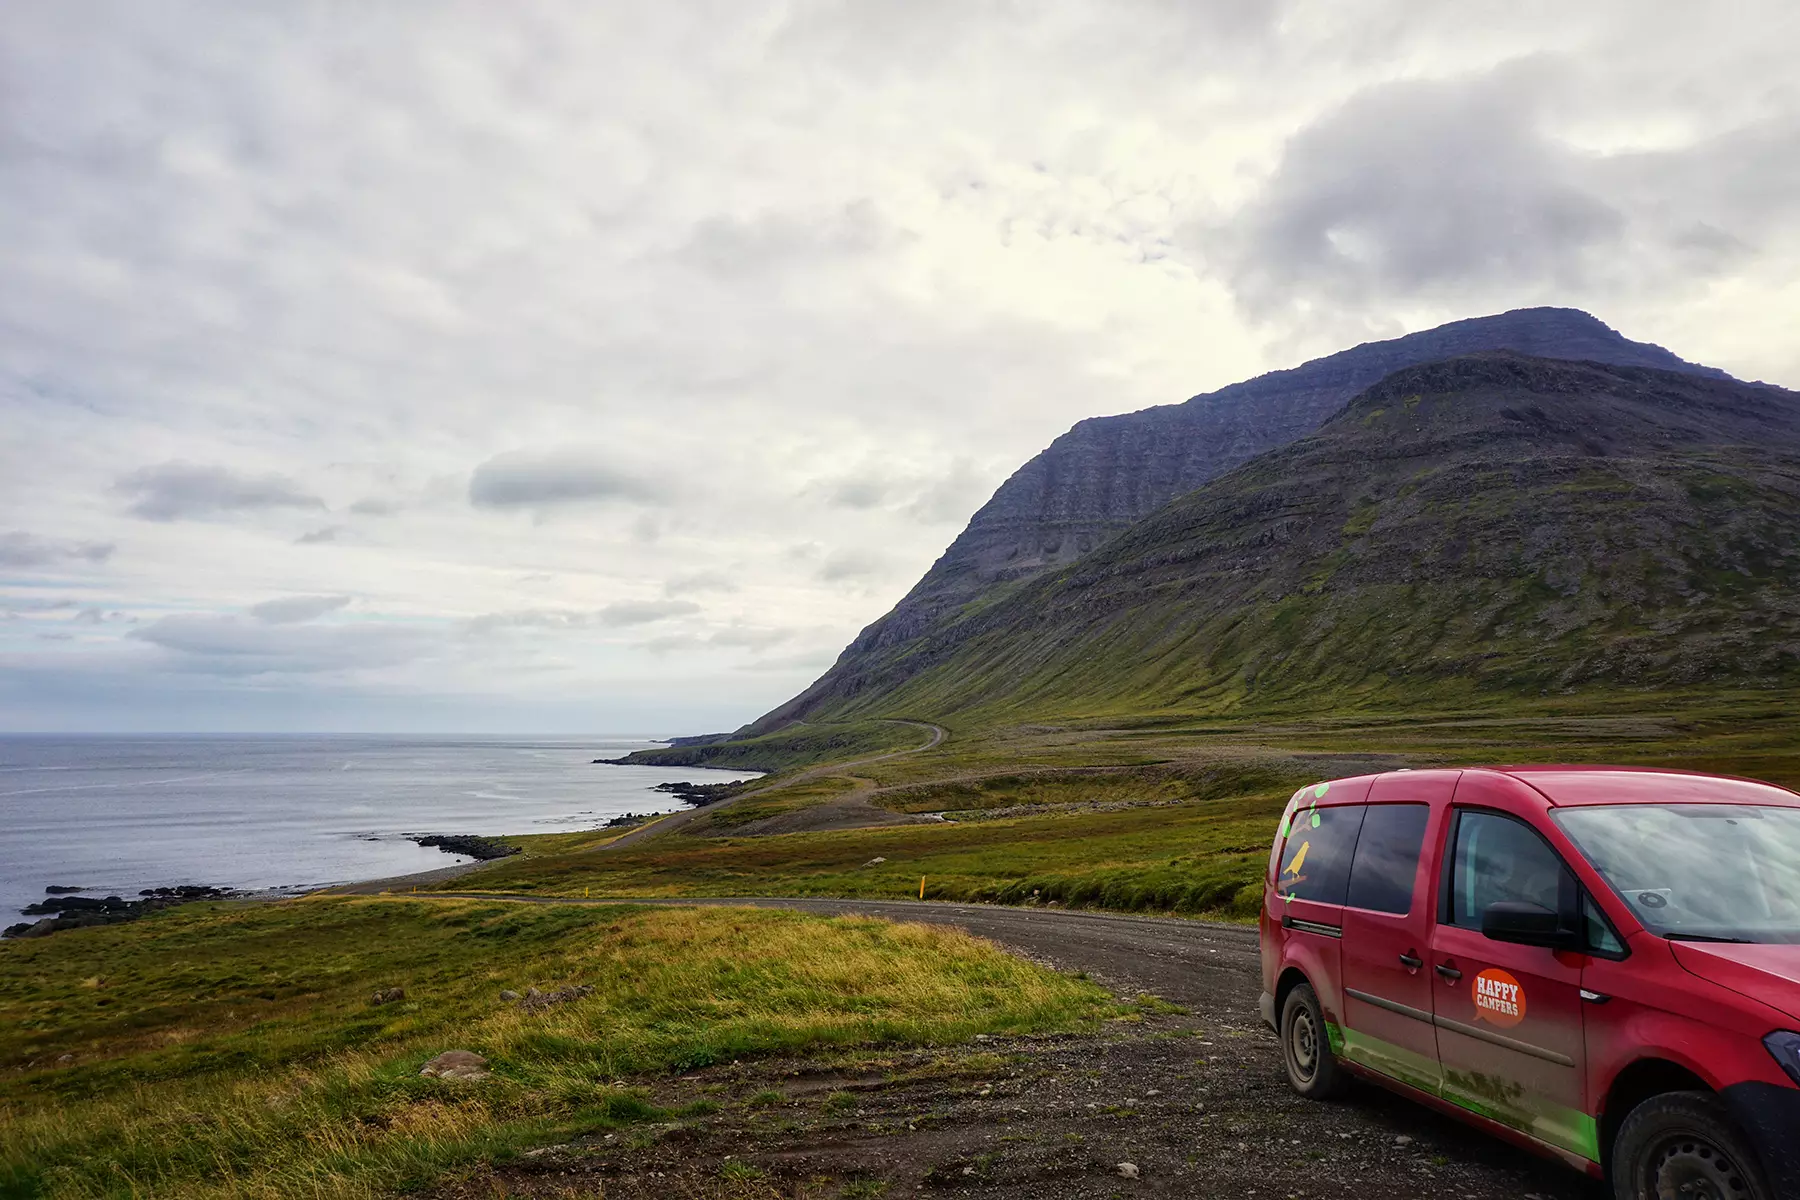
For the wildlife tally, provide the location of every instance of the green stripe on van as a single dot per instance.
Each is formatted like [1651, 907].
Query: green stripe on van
[1553, 1124]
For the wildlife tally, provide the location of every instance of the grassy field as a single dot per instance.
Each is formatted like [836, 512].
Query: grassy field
[1155, 814]
[233, 1051]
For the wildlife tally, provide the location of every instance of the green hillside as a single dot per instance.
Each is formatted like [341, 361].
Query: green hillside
[1467, 532]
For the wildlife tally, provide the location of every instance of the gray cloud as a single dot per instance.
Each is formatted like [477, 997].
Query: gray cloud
[320, 537]
[19, 550]
[375, 506]
[174, 491]
[1449, 189]
[226, 645]
[841, 565]
[643, 612]
[290, 610]
[538, 480]
[1421, 184]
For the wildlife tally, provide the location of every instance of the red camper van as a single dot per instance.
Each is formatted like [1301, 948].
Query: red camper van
[1601, 964]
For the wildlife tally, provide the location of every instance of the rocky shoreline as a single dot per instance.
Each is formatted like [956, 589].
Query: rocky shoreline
[473, 845]
[700, 794]
[63, 911]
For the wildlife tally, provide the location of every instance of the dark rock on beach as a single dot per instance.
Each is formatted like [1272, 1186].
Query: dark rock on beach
[62, 889]
[699, 794]
[467, 843]
[64, 912]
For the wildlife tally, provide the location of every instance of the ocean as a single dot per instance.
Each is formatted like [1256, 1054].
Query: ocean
[116, 814]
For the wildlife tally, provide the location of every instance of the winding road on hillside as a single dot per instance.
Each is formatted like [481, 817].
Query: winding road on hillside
[673, 821]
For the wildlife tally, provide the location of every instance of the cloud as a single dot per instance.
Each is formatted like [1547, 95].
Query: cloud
[840, 565]
[229, 645]
[699, 581]
[616, 615]
[375, 506]
[687, 292]
[751, 637]
[735, 247]
[291, 610]
[174, 491]
[933, 495]
[1422, 184]
[1481, 185]
[539, 480]
[20, 550]
[643, 612]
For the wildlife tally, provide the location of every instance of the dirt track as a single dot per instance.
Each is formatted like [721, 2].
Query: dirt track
[1197, 1102]
[673, 821]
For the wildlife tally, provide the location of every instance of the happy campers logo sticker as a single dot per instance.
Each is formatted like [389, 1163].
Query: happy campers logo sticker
[1499, 1000]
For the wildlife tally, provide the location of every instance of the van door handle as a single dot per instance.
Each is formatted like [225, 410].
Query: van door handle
[1448, 972]
[1411, 962]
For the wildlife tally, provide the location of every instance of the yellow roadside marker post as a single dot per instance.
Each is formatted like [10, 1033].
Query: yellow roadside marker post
[921, 887]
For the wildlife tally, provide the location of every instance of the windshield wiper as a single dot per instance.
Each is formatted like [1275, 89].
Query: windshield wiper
[1705, 937]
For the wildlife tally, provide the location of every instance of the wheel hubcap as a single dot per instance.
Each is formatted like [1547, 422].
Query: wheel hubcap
[1303, 1044]
[1692, 1168]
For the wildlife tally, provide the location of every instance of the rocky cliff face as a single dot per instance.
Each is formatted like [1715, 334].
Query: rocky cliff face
[1108, 472]
[1486, 526]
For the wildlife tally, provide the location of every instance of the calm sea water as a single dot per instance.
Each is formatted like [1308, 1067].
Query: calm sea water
[117, 814]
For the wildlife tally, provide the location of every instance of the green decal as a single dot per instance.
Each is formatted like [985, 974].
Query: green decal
[1334, 1037]
[1321, 790]
[1315, 820]
[1508, 1103]
[1287, 825]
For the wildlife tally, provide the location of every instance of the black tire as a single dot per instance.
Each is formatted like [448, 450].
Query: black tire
[1306, 1047]
[1684, 1145]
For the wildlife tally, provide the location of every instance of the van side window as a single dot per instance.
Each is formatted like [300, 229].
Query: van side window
[1499, 858]
[1315, 862]
[1387, 857]
[1600, 936]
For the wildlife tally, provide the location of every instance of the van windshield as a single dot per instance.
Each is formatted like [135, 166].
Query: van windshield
[1705, 871]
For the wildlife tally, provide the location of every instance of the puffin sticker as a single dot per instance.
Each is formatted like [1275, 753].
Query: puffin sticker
[1499, 1000]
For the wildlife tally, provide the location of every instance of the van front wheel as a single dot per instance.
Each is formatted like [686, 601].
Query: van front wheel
[1684, 1144]
[1306, 1047]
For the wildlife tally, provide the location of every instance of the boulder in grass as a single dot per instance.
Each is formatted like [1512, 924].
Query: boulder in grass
[391, 995]
[463, 1065]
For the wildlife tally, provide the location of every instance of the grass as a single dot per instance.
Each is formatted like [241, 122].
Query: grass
[1197, 858]
[1160, 812]
[792, 747]
[231, 1051]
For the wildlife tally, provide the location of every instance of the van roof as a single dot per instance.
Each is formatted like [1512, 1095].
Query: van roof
[1570, 785]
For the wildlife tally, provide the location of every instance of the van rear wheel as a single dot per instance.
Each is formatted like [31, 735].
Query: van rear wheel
[1306, 1047]
[1683, 1145]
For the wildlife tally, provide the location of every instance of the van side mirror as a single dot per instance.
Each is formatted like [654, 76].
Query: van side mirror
[1525, 924]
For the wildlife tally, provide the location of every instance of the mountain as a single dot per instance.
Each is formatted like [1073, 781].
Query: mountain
[1108, 472]
[1488, 524]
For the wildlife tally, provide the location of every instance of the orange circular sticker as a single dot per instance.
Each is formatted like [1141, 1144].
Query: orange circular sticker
[1499, 1000]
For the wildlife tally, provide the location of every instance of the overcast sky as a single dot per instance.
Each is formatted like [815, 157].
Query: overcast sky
[606, 366]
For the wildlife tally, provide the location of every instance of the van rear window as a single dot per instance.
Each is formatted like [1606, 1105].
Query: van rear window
[1387, 857]
[1315, 862]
